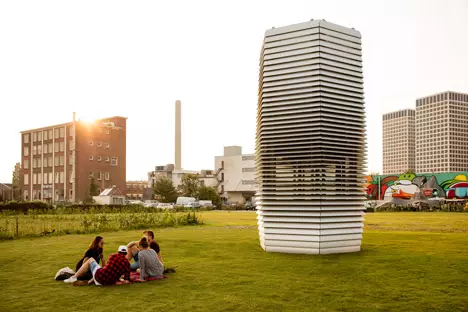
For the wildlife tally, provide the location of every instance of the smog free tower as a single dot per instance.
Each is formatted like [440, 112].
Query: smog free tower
[311, 141]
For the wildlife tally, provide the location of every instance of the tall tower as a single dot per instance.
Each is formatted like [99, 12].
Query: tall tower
[398, 142]
[442, 133]
[311, 141]
[178, 136]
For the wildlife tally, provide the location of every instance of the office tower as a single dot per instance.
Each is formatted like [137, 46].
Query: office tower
[58, 161]
[442, 133]
[311, 141]
[398, 131]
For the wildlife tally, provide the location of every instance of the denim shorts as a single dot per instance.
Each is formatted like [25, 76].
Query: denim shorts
[93, 267]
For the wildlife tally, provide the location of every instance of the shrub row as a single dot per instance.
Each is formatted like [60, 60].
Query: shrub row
[38, 207]
[458, 206]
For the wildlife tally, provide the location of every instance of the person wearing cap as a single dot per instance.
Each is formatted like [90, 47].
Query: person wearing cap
[116, 267]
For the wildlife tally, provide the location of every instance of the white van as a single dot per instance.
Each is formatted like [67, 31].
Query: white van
[182, 201]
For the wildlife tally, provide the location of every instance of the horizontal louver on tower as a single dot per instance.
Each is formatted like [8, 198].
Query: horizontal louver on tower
[310, 146]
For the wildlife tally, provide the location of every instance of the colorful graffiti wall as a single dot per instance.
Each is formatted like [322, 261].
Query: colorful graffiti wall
[452, 185]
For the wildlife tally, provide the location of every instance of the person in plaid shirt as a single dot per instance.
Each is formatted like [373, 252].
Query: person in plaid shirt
[116, 267]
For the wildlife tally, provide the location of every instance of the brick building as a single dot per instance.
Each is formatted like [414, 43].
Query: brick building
[58, 161]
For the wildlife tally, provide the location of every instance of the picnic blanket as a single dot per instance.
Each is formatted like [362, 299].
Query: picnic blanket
[135, 277]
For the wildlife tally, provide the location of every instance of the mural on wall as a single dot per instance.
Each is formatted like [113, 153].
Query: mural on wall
[418, 186]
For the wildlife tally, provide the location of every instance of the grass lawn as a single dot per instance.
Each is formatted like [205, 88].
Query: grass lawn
[408, 262]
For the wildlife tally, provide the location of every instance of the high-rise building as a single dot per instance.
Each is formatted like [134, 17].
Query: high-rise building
[442, 133]
[398, 131]
[58, 161]
[311, 140]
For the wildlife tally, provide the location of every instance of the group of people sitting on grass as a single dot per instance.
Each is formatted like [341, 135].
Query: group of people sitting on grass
[145, 253]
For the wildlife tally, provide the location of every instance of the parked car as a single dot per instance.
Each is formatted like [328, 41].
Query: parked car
[193, 204]
[165, 206]
[249, 206]
[151, 205]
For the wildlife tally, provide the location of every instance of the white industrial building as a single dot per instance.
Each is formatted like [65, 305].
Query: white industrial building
[311, 141]
[236, 175]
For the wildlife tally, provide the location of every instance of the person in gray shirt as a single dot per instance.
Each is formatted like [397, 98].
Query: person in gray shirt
[150, 265]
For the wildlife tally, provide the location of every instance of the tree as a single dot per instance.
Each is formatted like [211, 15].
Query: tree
[16, 176]
[165, 191]
[189, 185]
[209, 193]
[93, 190]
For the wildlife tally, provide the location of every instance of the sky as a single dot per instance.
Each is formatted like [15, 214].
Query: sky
[135, 58]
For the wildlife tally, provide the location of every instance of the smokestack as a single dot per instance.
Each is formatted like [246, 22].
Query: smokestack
[178, 136]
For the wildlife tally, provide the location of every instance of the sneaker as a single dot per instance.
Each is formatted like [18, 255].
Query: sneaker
[70, 280]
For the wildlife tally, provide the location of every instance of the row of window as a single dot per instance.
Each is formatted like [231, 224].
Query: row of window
[114, 161]
[59, 177]
[248, 157]
[99, 144]
[47, 178]
[249, 182]
[443, 97]
[99, 175]
[248, 169]
[39, 136]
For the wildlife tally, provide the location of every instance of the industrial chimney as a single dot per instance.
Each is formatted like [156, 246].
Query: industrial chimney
[178, 136]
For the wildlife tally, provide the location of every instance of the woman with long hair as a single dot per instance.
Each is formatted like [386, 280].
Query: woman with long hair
[96, 251]
[150, 265]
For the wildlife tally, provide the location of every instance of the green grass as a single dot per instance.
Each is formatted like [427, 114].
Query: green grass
[408, 262]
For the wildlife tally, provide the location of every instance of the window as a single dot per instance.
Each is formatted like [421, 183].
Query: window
[62, 132]
[26, 195]
[34, 178]
[34, 150]
[57, 177]
[26, 179]
[62, 177]
[248, 157]
[99, 144]
[61, 160]
[56, 147]
[71, 145]
[50, 149]
[107, 145]
[248, 169]
[46, 178]
[70, 131]
[25, 164]
[39, 149]
[34, 137]
[99, 158]
[57, 133]
[70, 160]
[91, 157]
[107, 159]
[45, 135]
[90, 143]
[107, 176]
[39, 178]
[26, 138]
[39, 163]
[49, 161]
[71, 176]
[26, 151]
[99, 175]
[114, 161]
[61, 144]
[39, 136]
[45, 147]
[51, 180]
